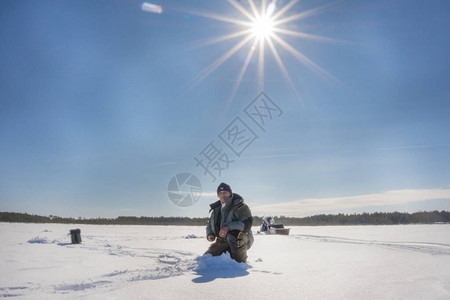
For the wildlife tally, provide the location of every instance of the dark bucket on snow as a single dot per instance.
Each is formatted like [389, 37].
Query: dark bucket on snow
[76, 236]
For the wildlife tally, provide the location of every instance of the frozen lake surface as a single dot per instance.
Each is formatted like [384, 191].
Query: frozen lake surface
[166, 262]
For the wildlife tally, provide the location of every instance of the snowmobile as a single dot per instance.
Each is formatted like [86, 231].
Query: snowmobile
[268, 226]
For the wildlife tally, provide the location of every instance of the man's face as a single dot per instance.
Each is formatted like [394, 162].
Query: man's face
[223, 195]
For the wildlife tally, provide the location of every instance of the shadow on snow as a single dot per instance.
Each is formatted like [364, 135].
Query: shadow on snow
[212, 267]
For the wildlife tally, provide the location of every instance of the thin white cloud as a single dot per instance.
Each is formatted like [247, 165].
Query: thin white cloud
[210, 195]
[308, 206]
[416, 147]
[171, 163]
[274, 156]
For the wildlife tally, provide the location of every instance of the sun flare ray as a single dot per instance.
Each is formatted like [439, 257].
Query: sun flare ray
[306, 14]
[217, 63]
[243, 70]
[216, 17]
[254, 9]
[306, 35]
[284, 9]
[261, 67]
[221, 39]
[303, 59]
[242, 10]
[281, 66]
[263, 7]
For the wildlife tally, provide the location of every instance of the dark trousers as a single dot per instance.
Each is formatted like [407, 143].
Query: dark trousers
[237, 246]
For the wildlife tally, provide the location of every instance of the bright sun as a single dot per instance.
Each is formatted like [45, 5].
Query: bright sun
[262, 27]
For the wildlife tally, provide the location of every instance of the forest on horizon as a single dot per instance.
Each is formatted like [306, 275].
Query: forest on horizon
[377, 218]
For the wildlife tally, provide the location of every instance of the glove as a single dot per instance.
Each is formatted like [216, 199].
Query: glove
[223, 232]
[211, 237]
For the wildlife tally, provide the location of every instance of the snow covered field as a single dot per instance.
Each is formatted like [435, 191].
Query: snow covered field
[165, 262]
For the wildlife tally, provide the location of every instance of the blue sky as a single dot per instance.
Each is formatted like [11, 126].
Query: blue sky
[100, 107]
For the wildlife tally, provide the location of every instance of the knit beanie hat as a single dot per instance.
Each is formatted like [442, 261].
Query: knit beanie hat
[224, 187]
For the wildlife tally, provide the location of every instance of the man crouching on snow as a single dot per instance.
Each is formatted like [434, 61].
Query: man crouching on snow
[231, 222]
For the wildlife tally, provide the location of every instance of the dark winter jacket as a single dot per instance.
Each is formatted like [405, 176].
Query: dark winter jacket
[236, 215]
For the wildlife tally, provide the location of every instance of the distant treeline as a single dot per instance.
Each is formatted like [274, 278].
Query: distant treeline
[340, 219]
[377, 218]
[27, 218]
